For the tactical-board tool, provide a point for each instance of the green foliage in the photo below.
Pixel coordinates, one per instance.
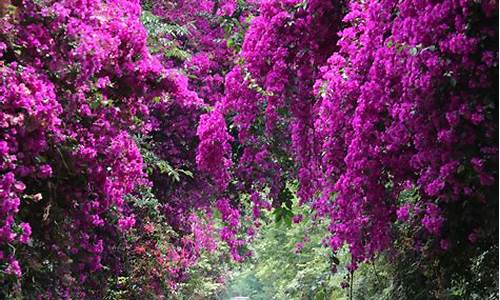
(278, 271)
(145, 200)
(162, 36)
(154, 163)
(205, 278)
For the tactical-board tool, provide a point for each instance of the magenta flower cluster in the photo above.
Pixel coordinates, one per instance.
(371, 99)
(78, 84)
(360, 102)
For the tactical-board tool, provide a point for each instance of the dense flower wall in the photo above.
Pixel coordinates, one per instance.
(373, 100)
(408, 102)
(78, 86)
(131, 133)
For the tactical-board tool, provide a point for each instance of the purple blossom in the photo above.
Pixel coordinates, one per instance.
(45, 171)
(444, 244)
(26, 233)
(403, 212)
(13, 268)
(472, 237)
(432, 219)
(297, 219)
(126, 223)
